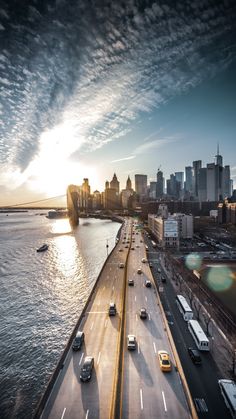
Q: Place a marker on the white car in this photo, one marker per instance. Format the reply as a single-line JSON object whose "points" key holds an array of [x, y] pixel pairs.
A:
{"points": [[121, 265]]}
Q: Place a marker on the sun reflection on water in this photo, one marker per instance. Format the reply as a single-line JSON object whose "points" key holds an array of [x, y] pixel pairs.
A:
{"points": [[61, 226]]}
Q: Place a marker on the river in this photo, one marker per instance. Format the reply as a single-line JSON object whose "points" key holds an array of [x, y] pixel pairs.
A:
{"points": [[42, 296]]}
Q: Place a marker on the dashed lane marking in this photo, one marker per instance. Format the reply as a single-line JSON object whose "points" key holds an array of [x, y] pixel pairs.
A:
{"points": [[64, 411], [81, 358], [141, 398], [164, 400]]}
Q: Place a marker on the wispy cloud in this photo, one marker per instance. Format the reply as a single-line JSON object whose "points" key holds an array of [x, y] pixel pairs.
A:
{"points": [[155, 144], [95, 70], [123, 159]]}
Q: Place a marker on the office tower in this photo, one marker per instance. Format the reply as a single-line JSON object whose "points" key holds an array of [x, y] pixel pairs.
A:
{"points": [[160, 184], [202, 184], [179, 176], [226, 182], [211, 182], [114, 184], [197, 164], [128, 184], [219, 158], [152, 191], [141, 185], [188, 179]]}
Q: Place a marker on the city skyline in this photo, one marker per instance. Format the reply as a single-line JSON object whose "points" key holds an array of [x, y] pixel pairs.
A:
{"points": [[148, 86]]}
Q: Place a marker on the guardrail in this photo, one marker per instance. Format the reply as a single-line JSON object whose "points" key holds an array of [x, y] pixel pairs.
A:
{"points": [[42, 402]]}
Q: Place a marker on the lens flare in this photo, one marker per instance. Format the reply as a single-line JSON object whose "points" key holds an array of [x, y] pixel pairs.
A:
{"points": [[193, 261], [220, 278]]}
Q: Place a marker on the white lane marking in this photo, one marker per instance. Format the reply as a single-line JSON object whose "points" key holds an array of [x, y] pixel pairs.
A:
{"points": [[91, 326], [149, 316], [136, 317], [106, 323], [146, 298], [141, 398], [138, 349], [154, 346], [86, 417], [98, 358], [113, 288], [164, 401], [81, 358], [99, 303], [135, 298], [64, 411]]}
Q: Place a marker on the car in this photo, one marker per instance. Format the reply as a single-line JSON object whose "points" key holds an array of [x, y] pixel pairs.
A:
{"points": [[137, 245], [87, 368], [112, 309], [148, 283], [121, 265], [144, 260], [163, 279], [132, 248], [159, 270], [150, 264], [195, 356], [143, 313], [141, 241], [130, 281], [139, 271], [120, 250], [78, 341], [131, 342], [164, 361]]}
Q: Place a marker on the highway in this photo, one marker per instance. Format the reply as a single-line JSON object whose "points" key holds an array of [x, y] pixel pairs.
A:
{"points": [[146, 389], [202, 380], [70, 397]]}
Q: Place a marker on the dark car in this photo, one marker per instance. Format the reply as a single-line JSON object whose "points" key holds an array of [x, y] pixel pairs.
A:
{"points": [[195, 356], [87, 368], [112, 309], [163, 279], [143, 313], [148, 283], [78, 341]]}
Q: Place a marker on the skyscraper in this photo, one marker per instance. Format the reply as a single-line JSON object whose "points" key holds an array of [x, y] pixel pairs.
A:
{"points": [[160, 184], [188, 179], [114, 184], [197, 164], [141, 185]]}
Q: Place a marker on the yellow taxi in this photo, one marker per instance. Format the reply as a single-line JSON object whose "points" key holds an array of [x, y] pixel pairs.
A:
{"points": [[164, 361]]}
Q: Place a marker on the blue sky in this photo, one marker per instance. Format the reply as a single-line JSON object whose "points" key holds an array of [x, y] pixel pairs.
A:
{"points": [[90, 88]]}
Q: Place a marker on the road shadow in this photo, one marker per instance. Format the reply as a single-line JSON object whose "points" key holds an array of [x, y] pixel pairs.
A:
{"points": [[142, 367], [152, 328], [115, 321]]}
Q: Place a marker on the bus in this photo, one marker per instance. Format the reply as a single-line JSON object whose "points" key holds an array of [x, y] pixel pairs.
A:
{"points": [[154, 245], [184, 308], [228, 391], [198, 335]]}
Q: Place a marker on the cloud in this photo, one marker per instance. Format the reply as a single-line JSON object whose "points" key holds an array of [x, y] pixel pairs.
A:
{"points": [[155, 144], [123, 159], [93, 71]]}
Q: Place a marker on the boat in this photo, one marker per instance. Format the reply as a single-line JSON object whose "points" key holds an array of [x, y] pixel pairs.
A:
{"points": [[57, 214], [43, 248]]}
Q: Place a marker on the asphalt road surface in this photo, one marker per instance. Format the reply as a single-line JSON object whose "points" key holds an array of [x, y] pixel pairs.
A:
{"points": [[147, 391], [70, 397]]}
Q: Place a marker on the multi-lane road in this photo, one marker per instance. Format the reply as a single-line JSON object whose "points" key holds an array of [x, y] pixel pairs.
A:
{"points": [[145, 390]]}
